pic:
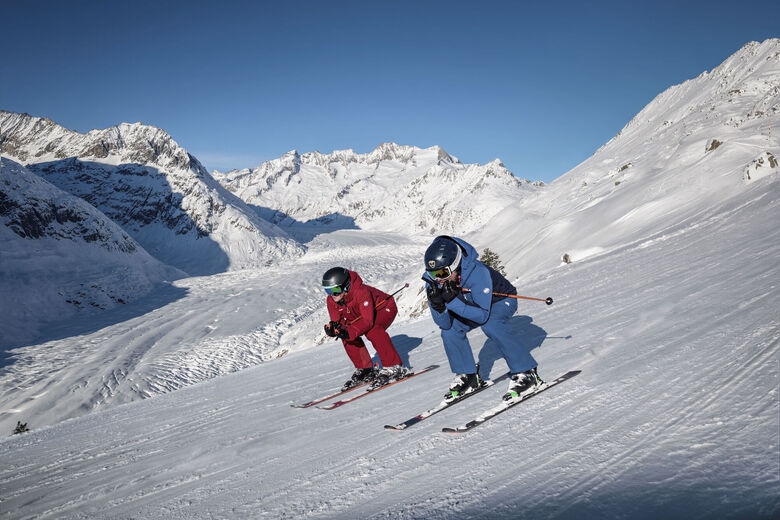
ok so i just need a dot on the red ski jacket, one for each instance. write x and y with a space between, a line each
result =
361 300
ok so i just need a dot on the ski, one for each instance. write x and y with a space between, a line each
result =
325 398
336 404
442 406
504 406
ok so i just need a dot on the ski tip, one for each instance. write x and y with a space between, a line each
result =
451 430
304 405
393 428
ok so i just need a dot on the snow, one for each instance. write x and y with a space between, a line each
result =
60 254
397 188
176 405
675 413
162 196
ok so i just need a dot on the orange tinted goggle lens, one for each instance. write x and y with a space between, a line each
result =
442 273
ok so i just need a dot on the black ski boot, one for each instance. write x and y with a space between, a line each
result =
359 377
521 383
388 375
462 384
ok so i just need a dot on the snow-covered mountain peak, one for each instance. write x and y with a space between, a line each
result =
424 189
162 196
496 166
145 144
406 154
291 160
690 149
442 155
21 136
391 152
744 88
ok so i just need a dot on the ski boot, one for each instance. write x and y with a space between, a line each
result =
388 375
360 376
462 384
521 383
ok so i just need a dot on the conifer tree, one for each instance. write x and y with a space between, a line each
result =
491 259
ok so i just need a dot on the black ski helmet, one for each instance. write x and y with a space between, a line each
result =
336 277
442 257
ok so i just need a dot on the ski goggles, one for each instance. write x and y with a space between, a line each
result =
441 273
335 289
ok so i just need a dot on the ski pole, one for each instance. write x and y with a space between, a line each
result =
376 307
548 301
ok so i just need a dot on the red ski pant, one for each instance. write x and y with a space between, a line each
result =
379 338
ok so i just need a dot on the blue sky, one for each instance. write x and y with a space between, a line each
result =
540 85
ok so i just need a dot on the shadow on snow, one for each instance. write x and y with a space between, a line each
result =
528 335
79 325
142 202
403 345
305 232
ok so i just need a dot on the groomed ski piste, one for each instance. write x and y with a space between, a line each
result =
178 405
675 414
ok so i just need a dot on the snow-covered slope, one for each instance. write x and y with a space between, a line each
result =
195 330
691 149
61 258
394 188
675 414
162 196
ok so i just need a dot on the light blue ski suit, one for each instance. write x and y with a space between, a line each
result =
480 308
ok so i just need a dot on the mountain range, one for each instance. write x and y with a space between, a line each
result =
138 176
396 188
199 224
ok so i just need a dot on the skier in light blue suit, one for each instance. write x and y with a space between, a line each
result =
460 295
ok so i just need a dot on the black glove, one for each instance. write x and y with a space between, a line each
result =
331 329
341 332
450 290
334 330
435 299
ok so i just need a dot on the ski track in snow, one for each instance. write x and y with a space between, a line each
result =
225 323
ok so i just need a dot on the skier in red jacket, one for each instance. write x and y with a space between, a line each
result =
356 310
